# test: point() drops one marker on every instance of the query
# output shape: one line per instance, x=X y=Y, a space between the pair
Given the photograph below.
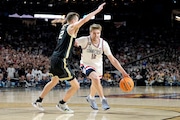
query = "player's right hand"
x=101 y=6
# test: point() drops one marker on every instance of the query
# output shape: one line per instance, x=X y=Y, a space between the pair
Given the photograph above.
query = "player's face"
x=95 y=34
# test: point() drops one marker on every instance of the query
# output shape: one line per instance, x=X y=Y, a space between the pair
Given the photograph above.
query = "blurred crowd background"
x=143 y=36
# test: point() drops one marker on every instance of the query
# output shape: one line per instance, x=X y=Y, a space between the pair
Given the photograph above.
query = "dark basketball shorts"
x=86 y=71
x=60 y=67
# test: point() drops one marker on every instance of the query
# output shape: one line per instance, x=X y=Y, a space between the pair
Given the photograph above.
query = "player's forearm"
x=57 y=21
x=118 y=66
x=53 y=21
x=90 y=15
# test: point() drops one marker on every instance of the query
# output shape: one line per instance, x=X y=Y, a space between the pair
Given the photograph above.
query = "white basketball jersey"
x=92 y=56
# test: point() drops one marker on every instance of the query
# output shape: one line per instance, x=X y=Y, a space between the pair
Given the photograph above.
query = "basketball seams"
x=126 y=84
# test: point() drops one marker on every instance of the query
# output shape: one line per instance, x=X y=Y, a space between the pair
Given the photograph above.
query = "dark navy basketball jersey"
x=64 y=44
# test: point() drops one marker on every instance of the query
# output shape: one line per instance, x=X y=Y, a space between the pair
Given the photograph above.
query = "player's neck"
x=95 y=42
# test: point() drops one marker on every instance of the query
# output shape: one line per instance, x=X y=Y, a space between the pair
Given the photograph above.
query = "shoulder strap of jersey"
x=88 y=43
x=102 y=40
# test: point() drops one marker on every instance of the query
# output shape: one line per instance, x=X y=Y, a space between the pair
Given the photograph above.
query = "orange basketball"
x=126 y=84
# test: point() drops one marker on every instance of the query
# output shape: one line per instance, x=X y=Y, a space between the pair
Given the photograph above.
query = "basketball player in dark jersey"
x=60 y=69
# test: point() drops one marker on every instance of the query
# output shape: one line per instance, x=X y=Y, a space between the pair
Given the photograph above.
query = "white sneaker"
x=105 y=105
x=38 y=105
x=92 y=103
x=64 y=108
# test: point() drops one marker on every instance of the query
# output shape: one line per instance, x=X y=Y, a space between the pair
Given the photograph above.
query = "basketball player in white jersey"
x=93 y=47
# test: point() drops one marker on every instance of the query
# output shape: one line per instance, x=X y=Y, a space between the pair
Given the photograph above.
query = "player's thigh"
x=94 y=76
x=74 y=83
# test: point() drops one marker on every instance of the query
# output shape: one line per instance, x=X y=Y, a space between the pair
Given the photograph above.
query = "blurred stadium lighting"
x=49 y=16
x=107 y=17
x=177 y=18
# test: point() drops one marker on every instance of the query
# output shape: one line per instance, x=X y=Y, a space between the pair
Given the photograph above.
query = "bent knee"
x=75 y=86
x=96 y=80
x=55 y=80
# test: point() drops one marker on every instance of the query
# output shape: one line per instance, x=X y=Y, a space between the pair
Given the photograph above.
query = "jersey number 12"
x=93 y=56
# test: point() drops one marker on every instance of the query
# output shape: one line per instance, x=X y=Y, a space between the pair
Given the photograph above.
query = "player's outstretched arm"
x=117 y=65
x=55 y=21
x=89 y=16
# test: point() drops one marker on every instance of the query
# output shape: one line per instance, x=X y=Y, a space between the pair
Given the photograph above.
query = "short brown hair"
x=70 y=16
x=95 y=26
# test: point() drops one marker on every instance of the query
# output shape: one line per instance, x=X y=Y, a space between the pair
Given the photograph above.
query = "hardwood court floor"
x=143 y=103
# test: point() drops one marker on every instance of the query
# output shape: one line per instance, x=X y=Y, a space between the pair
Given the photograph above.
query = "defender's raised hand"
x=101 y=6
